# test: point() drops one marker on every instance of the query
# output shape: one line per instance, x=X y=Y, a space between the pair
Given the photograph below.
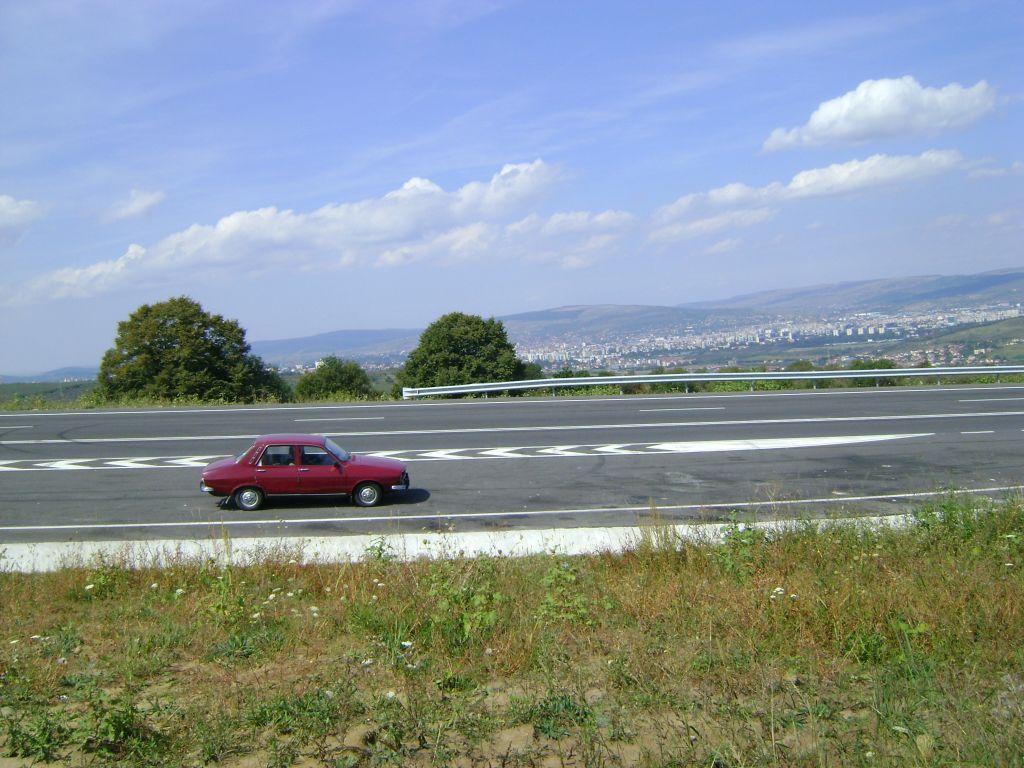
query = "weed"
x=563 y=599
x=739 y=550
x=41 y=735
x=251 y=642
x=114 y=728
x=466 y=602
x=554 y=716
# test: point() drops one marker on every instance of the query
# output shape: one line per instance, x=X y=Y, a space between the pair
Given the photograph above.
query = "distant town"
x=691 y=345
x=715 y=344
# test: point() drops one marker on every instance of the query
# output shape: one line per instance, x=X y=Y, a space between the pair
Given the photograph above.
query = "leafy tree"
x=871 y=365
x=334 y=378
x=461 y=349
x=175 y=350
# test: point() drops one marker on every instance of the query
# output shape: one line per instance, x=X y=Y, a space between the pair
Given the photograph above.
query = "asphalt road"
x=502 y=464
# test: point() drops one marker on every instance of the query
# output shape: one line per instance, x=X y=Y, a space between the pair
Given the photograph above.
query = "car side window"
x=277 y=456
x=315 y=455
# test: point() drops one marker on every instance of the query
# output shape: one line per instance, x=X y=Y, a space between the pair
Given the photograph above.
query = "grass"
x=813 y=646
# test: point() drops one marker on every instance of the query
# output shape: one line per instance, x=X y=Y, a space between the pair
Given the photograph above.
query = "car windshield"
x=337 y=450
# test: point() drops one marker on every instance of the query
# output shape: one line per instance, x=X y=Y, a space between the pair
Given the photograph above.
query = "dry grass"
x=842 y=646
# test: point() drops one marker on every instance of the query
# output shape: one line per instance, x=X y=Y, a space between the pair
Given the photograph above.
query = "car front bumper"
x=403 y=485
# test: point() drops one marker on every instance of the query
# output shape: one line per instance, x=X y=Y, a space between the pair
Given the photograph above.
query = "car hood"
x=376 y=462
x=227 y=461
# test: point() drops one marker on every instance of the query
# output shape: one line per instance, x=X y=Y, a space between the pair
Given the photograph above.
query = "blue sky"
x=319 y=165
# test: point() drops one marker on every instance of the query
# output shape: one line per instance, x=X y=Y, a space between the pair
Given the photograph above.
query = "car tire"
x=249 y=499
x=367 y=494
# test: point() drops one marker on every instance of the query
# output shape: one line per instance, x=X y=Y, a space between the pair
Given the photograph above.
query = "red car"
x=301 y=465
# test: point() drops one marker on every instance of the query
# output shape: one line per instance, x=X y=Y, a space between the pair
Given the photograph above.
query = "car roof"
x=291 y=439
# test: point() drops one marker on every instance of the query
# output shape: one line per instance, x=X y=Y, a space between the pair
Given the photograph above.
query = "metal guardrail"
x=410 y=393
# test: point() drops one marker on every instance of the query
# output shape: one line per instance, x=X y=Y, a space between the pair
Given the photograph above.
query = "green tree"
x=872 y=365
x=461 y=349
x=335 y=379
x=175 y=350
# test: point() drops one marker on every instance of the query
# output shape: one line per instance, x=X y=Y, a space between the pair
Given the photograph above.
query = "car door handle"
x=304 y=469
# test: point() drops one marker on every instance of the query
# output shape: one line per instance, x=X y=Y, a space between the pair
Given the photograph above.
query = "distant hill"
x=924 y=293
x=348 y=344
x=60 y=374
x=913 y=294
x=609 y=319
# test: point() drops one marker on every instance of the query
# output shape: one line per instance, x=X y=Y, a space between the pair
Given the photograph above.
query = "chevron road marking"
x=482 y=454
x=642 y=449
x=193 y=461
x=565 y=450
x=63 y=464
x=133 y=463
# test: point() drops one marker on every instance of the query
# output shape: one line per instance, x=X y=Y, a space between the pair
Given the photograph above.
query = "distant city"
x=625 y=352
x=717 y=343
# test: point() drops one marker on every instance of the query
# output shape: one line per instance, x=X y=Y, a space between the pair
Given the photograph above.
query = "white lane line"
x=979 y=432
x=343 y=418
x=398 y=518
x=695 y=408
x=992 y=400
x=12 y=426
x=546 y=428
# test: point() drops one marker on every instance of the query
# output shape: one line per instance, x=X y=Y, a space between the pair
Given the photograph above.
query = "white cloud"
x=16 y=216
x=709 y=225
x=735 y=206
x=878 y=109
x=136 y=204
x=1015 y=169
x=877 y=170
x=418 y=221
x=723 y=246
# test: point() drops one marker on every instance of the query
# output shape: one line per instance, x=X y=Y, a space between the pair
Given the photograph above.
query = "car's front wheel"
x=367 y=495
x=249 y=499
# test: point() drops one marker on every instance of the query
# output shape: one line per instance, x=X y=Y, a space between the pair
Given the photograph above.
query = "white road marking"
x=192 y=461
x=394 y=518
x=566 y=450
x=132 y=463
x=696 y=408
x=544 y=428
x=344 y=418
x=448 y=454
x=62 y=464
x=992 y=400
x=980 y=432
x=478 y=454
x=497 y=453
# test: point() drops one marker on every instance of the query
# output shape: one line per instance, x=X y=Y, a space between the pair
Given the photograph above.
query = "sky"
x=320 y=165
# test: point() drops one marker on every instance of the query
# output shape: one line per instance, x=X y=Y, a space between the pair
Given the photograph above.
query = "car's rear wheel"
x=249 y=499
x=367 y=494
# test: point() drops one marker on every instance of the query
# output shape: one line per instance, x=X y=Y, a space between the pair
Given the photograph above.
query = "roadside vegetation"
x=841 y=645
